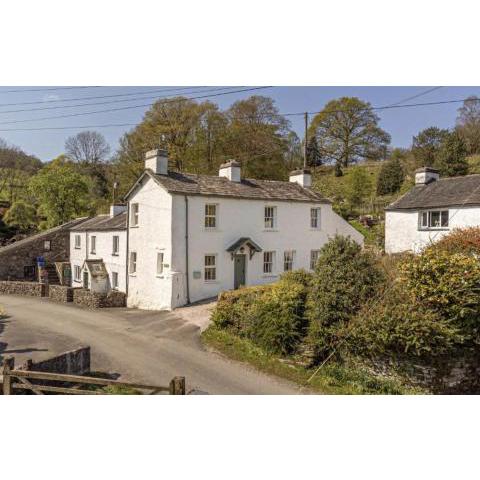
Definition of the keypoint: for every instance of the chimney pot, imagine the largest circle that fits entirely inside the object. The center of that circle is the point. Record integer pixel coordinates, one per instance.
(426, 175)
(157, 161)
(231, 170)
(117, 209)
(303, 177)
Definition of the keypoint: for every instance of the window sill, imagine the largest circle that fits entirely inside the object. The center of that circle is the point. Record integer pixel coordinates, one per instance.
(269, 275)
(134, 226)
(211, 229)
(160, 276)
(313, 229)
(434, 229)
(270, 230)
(132, 274)
(77, 248)
(212, 282)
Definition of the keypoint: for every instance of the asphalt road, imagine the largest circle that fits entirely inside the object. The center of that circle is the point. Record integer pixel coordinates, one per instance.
(141, 346)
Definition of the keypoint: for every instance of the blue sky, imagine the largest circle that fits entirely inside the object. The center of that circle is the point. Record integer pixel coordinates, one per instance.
(401, 123)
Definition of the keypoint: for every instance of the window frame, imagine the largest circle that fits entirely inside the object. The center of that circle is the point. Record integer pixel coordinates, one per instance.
(132, 264)
(208, 216)
(210, 268)
(288, 261)
(314, 263)
(267, 218)
(114, 282)
(116, 251)
(134, 214)
(77, 269)
(78, 245)
(93, 244)
(317, 217)
(425, 219)
(160, 272)
(270, 263)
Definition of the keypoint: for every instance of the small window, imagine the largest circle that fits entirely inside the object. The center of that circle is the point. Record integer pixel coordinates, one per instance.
(210, 215)
(315, 218)
(159, 263)
(93, 244)
(134, 215)
(47, 245)
(77, 273)
(115, 280)
(133, 262)
(270, 217)
(433, 219)
(116, 245)
(288, 256)
(268, 261)
(78, 241)
(314, 254)
(210, 268)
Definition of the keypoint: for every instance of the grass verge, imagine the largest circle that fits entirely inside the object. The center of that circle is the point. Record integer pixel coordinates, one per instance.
(333, 379)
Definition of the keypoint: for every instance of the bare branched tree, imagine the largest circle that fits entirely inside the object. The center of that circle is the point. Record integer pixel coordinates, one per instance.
(87, 147)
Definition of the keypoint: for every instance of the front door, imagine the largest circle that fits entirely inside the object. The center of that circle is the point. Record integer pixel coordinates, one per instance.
(239, 273)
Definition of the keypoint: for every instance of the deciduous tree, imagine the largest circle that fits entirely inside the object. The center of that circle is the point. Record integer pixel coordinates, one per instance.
(468, 124)
(21, 216)
(451, 160)
(390, 178)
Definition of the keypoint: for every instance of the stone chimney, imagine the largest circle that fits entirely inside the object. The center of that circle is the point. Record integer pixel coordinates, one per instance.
(157, 161)
(426, 175)
(231, 170)
(303, 177)
(117, 209)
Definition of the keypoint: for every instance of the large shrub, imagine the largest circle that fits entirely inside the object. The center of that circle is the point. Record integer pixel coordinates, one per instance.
(465, 240)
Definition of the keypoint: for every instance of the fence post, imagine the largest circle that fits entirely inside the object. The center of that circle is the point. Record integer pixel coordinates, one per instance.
(8, 365)
(177, 386)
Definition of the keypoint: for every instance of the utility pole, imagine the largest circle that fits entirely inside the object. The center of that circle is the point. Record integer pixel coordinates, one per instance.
(114, 191)
(305, 162)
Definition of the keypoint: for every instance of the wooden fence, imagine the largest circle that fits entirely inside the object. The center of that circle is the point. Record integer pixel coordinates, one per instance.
(21, 380)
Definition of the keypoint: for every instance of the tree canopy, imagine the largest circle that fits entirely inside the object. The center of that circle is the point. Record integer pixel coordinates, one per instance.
(391, 177)
(468, 124)
(427, 145)
(451, 160)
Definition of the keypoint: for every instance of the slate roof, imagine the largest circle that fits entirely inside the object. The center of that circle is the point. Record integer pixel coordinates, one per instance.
(244, 241)
(446, 192)
(103, 223)
(191, 184)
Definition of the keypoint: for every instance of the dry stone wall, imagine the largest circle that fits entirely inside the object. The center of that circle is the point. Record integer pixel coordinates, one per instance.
(90, 299)
(30, 289)
(60, 293)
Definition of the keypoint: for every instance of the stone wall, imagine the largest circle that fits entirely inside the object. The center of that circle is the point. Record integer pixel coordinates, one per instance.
(90, 299)
(74, 362)
(30, 289)
(60, 293)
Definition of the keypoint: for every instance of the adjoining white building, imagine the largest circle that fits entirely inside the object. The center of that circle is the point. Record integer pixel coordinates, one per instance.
(430, 210)
(190, 237)
(98, 252)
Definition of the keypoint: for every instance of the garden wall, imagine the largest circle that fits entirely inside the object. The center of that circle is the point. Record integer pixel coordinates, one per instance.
(60, 293)
(30, 289)
(74, 362)
(89, 299)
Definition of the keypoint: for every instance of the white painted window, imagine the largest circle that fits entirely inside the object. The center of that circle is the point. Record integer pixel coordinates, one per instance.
(160, 263)
(115, 280)
(315, 217)
(288, 258)
(314, 254)
(268, 262)
(78, 241)
(77, 273)
(93, 244)
(133, 262)
(210, 268)
(211, 215)
(116, 245)
(134, 214)
(270, 217)
(432, 219)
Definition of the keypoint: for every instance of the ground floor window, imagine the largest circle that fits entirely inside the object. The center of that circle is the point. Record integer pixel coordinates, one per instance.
(433, 219)
(268, 260)
(132, 268)
(160, 263)
(314, 254)
(77, 273)
(288, 256)
(210, 268)
(115, 280)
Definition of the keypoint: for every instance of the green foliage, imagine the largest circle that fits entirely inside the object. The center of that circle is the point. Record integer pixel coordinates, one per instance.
(347, 131)
(21, 216)
(61, 192)
(359, 186)
(451, 160)
(468, 124)
(390, 178)
(314, 158)
(427, 145)
(464, 240)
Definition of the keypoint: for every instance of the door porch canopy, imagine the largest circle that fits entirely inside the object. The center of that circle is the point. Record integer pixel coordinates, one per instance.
(242, 243)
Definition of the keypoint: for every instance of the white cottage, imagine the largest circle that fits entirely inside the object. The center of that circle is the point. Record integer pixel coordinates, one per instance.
(193, 236)
(430, 210)
(98, 251)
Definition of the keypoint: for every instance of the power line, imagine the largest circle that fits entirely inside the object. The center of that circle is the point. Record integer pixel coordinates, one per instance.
(48, 89)
(129, 107)
(421, 94)
(115, 101)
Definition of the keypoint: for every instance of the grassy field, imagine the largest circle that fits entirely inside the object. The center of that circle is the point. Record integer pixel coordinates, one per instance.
(333, 379)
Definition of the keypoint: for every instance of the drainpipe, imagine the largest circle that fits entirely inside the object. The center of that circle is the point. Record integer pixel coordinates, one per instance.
(126, 247)
(186, 250)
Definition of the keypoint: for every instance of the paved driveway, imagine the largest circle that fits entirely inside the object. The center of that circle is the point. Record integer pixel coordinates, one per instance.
(140, 346)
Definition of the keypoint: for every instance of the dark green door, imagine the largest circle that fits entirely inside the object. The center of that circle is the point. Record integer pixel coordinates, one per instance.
(239, 271)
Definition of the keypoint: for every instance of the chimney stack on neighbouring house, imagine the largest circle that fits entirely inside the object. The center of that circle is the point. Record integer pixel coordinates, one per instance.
(117, 209)
(231, 170)
(426, 175)
(303, 177)
(157, 161)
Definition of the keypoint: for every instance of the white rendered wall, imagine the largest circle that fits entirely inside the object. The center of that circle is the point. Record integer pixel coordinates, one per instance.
(104, 251)
(402, 233)
(146, 290)
(245, 218)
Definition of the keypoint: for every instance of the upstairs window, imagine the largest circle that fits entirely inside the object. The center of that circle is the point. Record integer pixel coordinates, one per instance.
(268, 261)
(133, 262)
(315, 218)
(93, 244)
(288, 257)
(160, 263)
(210, 268)
(433, 219)
(78, 241)
(116, 245)
(134, 215)
(210, 215)
(270, 217)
